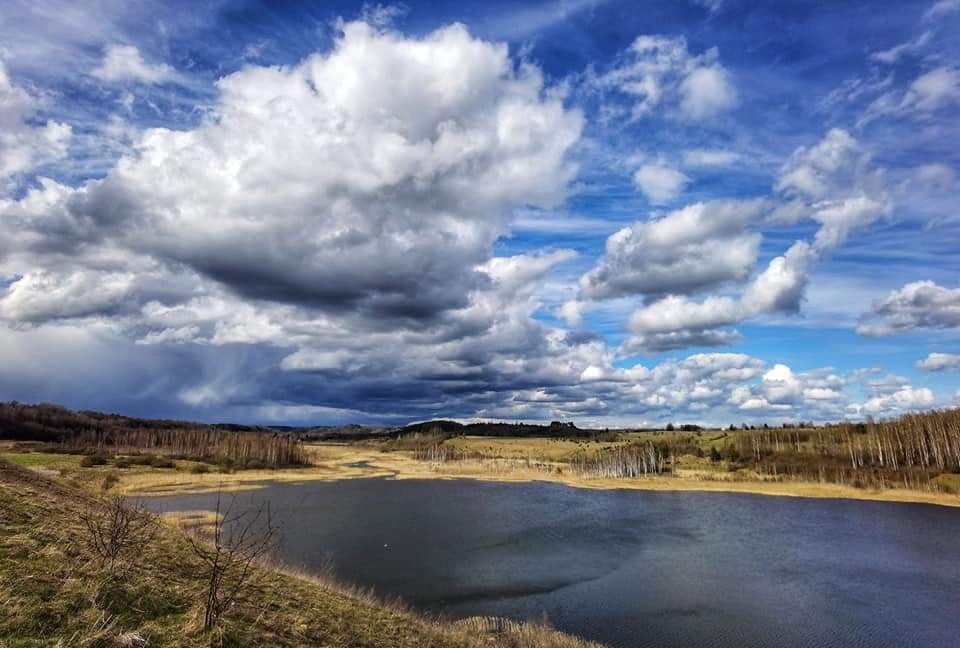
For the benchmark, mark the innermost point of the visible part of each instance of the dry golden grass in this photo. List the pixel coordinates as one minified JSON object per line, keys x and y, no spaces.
{"x":509,"y":460}
{"x":538,"y":448}
{"x":191,"y":520}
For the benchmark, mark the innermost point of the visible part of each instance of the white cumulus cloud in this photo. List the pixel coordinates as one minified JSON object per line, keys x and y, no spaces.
{"x":939,"y":361}
{"x":125,"y":63}
{"x":920,"y":304}
{"x":371,"y":179}
{"x":690,"y":249}
{"x":831,"y":183}
{"x":660,"y":183}
{"x":658,"y":72}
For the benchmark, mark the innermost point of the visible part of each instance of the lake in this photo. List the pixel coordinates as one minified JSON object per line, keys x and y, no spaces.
{"x":635,"y":568}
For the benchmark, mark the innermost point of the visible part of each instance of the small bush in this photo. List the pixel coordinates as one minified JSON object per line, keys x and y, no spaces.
{"x":200,"y":469}
{"x":733,"y":455}
{"x":161,"y":462}
{"x":93,"y":460}
{"x":607,"y":437}
{"x":123,"y":464}
{"x":110,"y":481}
{"x":118,"y":531}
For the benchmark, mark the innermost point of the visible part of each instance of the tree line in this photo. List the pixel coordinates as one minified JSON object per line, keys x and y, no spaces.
{"x":917,"y":451}
{"x":83,"y":431}
{"x":911,"y":451}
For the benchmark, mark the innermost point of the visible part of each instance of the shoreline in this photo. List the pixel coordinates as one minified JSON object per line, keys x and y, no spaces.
{"x":360,"y":464}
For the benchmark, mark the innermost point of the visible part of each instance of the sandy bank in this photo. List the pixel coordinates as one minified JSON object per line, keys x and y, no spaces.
{"x":335,"y":462}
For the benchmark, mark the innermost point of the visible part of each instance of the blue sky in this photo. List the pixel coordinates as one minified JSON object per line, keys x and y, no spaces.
{"x":609,"y":212}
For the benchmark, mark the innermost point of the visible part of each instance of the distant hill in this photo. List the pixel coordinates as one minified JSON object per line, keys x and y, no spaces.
{"x":494,"y":429}
{"x":53,"y":424}
{"x":349,"y":432}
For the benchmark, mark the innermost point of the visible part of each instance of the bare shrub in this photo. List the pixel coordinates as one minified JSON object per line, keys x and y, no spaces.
{"x":118,"y":531}
{"x":236,"y":542}
{"x":93,"y":460}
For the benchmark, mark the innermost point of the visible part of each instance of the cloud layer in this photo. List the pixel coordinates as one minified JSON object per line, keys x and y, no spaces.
{"x":357,"y":223}
{"x":704,"y":246}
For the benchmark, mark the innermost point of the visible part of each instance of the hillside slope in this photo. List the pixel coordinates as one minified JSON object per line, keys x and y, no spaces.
{"x":53,"y":591}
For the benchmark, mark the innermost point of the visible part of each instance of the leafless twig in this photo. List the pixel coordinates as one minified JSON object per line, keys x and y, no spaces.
{"x":238,"y":540}
{"x":120,"y":530}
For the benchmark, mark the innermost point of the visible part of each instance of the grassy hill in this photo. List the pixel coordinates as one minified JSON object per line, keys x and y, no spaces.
{"x":54,"y":591}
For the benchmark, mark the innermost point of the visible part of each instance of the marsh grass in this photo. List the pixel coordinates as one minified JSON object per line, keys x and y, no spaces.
{"x":49,"y":460}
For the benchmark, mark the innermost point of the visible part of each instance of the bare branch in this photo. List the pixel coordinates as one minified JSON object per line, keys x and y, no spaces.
{"x":118,"y":532}
{"x":237,"y":543}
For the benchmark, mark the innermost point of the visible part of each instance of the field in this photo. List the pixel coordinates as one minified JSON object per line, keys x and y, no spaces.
{"x":343,"y":461}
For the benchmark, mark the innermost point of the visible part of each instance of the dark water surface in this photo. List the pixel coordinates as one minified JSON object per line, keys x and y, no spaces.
{"x":633,"y":568}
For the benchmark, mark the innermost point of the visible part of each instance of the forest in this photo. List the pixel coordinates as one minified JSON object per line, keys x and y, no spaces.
{"x":96,"y":433}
